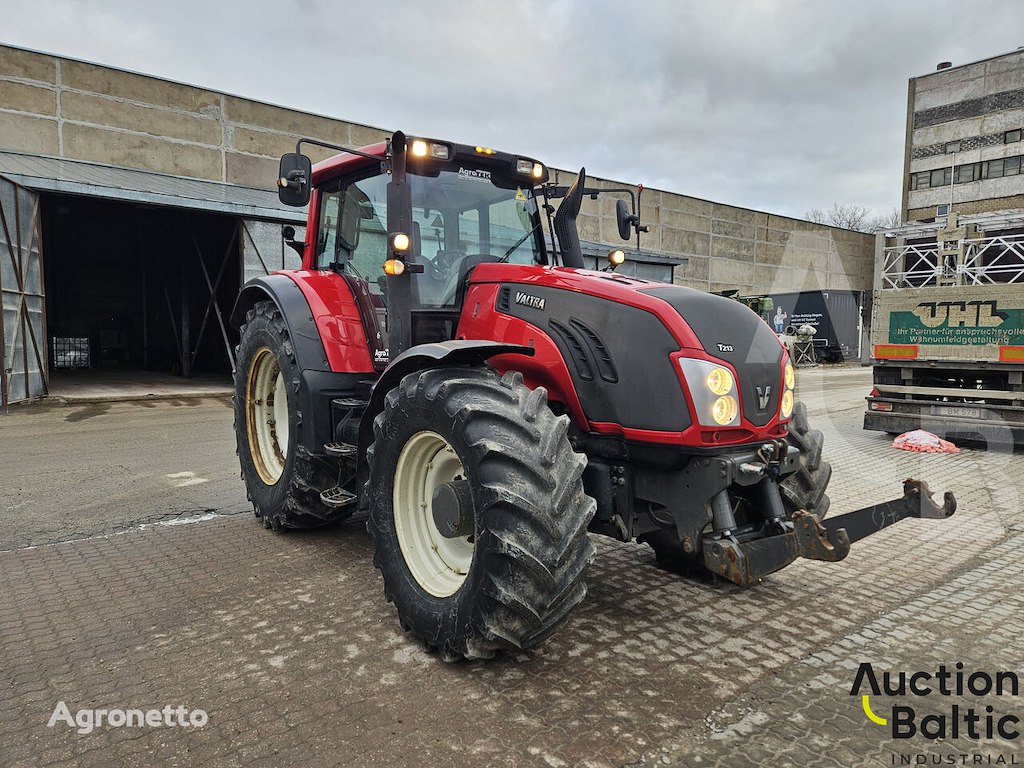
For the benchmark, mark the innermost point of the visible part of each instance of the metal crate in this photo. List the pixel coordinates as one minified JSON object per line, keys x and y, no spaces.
{"x":71,"y":352}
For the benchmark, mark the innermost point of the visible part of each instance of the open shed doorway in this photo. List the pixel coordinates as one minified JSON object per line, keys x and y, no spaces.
{"x":128,"y":291}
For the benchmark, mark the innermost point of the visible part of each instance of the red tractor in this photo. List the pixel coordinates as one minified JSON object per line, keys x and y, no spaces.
{"x":488,"y":401}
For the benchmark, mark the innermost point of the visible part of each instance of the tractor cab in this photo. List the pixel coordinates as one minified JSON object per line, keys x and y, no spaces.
{"x":407,"y":231}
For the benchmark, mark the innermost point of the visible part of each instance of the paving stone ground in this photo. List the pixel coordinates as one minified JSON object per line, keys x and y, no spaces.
{"x":287,"y":644}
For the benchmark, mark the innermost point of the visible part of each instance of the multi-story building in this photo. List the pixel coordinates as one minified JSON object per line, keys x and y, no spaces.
{"x":964,"y":145}
{"x":963,"y":179}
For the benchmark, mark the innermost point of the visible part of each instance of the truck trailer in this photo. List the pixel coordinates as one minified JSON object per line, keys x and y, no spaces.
{"x":947,"y":329}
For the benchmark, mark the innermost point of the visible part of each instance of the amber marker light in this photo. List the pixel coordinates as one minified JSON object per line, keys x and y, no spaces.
{"x":394,"y":267}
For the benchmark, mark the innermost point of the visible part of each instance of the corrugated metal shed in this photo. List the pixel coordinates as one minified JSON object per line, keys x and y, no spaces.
{"x":74,"y":177}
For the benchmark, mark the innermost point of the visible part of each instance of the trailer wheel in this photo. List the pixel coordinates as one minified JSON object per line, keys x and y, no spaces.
{"x":282,"y":481}
{"x":482,"y":457}
{"x":805,"y":488}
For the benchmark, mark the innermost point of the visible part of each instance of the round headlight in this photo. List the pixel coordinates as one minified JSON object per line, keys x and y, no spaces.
{"x":786,"y":407}
{"x":790,"y":376}
{"x":719,"y":381}
{"x":400,"y":242}
{"x":724,"y":410}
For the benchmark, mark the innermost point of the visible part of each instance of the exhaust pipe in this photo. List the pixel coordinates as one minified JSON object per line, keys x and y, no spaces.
{"x":565,"y":222}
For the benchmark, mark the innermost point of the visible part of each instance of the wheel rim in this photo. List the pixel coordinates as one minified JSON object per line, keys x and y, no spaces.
{"x":267,"y":416}
{"x":438,"y":564}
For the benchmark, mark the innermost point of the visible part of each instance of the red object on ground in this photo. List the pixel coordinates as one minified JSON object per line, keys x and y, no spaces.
{"x":923,"y":442}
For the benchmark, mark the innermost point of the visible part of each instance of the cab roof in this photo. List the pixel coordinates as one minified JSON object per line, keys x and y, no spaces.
{"x":332,"y":166}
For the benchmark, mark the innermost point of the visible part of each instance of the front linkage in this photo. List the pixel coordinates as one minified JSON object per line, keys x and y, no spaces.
{"x":746,"y":563}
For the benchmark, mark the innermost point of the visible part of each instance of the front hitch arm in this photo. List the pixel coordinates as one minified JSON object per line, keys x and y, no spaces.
{"x":746,"y":563}
{"x":916,"y":502}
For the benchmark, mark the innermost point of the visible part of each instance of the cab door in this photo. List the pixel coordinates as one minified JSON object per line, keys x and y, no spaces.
{"x":351,"y":241}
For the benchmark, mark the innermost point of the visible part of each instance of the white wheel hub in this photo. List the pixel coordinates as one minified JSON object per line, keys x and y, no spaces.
{"x":267,"y":416}
{"x":438,"y":564}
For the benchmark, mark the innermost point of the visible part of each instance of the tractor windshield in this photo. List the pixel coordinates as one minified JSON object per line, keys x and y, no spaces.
{"x":461,"y":217}
{"x":464,"y":217}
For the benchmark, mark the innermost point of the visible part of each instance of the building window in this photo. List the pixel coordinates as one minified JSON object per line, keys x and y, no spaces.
{"x":953,"y":146}
{"x":1011,"y":136}
{"x":920,"y":180}
{"x":993,"y":169}
{"x":965,"y":173}
{"x":990,"y":169}
{"x":940,"y":177}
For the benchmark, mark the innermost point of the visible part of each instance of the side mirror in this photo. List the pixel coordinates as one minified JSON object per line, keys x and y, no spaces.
{"x":624,"y":219}
{"x":294,"y":179}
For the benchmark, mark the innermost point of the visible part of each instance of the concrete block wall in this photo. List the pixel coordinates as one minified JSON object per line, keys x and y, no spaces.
{"x":64,"y":108}
{"x":731,"y":248}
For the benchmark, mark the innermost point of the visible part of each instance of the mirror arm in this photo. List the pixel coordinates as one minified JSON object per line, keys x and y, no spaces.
{"x":384,"y":163}
{"x":555,"y":192}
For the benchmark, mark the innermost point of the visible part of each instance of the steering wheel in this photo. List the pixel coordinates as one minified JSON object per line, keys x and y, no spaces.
{"x":451,"y":287}
{"x":440,"y":267}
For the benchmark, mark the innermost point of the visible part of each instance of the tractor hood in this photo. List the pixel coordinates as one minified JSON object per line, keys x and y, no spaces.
{"x":731,"y":331}
{"x":622,"y":339}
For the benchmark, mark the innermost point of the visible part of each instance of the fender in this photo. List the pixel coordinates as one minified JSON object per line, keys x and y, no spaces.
{"x":318,"y":384}
{"x":444,"y":353}
{"x":302,"y":330}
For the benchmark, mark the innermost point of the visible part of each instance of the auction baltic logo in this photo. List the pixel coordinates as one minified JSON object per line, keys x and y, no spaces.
{"x":946,"y":721}
{"x":87,"y":720}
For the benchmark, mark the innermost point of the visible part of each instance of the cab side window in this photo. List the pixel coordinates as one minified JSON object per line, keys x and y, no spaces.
{"x":352,"y":234}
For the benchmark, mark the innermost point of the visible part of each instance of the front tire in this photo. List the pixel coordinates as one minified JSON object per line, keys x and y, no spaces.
{"x":282,"y":481}
{"x":805,"y":488}
{"x":515,"y":576}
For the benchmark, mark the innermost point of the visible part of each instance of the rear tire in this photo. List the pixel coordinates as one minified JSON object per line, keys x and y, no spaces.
{"x":282,"y":481}
{"x":515,"y":579}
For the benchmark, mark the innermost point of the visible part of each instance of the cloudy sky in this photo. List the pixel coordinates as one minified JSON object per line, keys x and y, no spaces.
{"x":781,"y":105}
